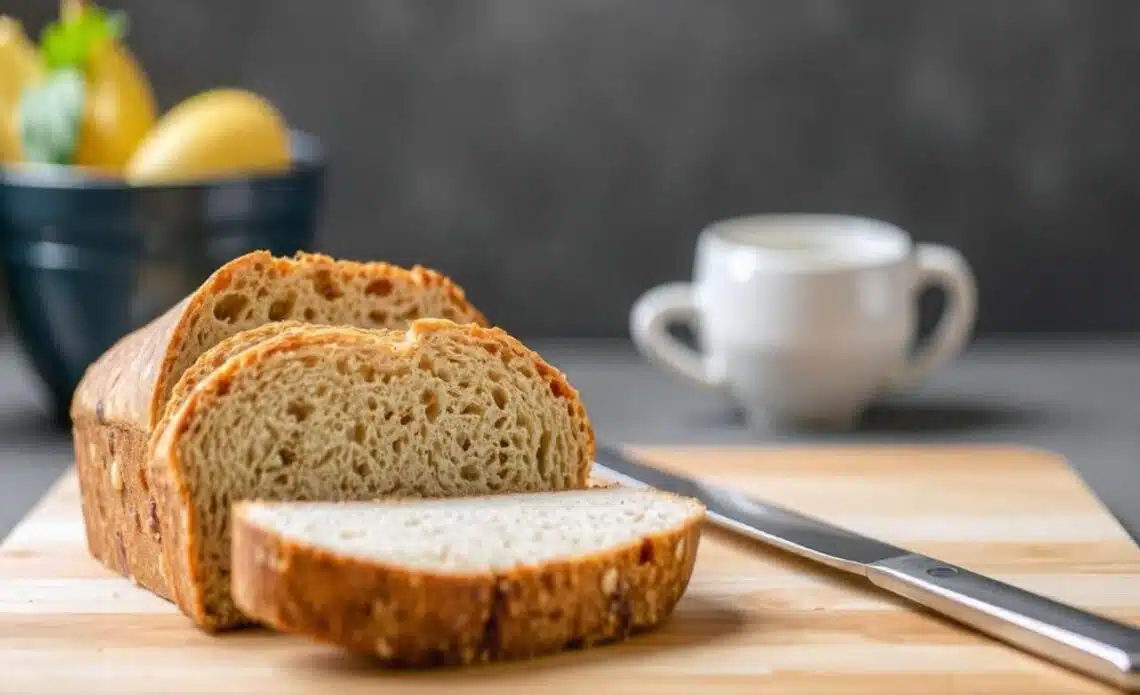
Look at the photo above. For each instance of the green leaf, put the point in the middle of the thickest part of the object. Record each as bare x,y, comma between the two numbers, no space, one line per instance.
49,117
69,41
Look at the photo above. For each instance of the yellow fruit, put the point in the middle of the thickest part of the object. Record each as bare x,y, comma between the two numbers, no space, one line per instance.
19,66
118,109
218,133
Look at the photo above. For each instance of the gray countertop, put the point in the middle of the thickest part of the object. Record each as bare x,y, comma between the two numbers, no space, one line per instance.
1080,399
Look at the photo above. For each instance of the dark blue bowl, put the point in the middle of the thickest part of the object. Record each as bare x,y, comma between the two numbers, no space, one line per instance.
87,260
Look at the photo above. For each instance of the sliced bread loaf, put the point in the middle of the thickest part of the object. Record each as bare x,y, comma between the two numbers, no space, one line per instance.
337,413
123,394
465,580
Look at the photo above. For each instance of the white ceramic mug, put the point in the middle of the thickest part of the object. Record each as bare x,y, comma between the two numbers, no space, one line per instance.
804,320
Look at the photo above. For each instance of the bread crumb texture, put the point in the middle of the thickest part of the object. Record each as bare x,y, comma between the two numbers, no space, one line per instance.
337,413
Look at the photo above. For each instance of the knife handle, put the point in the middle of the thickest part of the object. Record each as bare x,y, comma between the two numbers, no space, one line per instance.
1097,646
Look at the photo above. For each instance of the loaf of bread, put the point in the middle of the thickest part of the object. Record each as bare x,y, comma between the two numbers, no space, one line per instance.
338,413
121,397
464,580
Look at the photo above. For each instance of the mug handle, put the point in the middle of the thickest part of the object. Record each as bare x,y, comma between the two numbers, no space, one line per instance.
943,267
650,319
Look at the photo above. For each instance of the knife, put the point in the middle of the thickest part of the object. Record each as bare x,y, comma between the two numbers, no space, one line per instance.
1092,644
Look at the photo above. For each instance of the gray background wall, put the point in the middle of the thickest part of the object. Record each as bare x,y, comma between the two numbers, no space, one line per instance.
558,157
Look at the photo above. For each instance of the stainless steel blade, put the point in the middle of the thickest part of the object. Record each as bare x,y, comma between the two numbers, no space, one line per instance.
812,538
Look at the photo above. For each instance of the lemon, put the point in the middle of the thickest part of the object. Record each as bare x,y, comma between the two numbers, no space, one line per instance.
218,133
19,66
118,108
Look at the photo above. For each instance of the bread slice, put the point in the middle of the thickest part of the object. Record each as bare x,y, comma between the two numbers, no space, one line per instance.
337,413
464,580
122,396
217,355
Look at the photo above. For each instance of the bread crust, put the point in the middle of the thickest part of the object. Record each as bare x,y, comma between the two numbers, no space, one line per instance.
180,524
416,618
118,403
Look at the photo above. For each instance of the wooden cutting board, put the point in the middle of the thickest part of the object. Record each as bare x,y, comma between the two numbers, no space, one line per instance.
753,620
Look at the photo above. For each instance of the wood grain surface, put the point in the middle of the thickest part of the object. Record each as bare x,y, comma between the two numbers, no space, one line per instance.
754,620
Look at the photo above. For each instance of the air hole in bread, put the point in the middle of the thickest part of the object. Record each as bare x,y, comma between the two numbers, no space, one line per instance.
358,433
230,306
543,455
286,457
378,317
310,314
282,308
469,472
368,373
431,405
299,410
372,404
405,418
380,287
473,409
465,443
322,390
500,395
326,286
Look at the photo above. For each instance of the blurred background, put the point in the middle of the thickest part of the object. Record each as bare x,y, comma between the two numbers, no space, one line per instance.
559,158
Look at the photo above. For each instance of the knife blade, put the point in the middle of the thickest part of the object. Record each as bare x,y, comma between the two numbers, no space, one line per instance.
1068,636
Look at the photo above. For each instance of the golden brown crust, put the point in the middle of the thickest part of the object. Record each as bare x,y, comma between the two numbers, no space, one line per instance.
119,401
417,618
180,524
